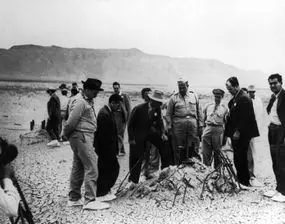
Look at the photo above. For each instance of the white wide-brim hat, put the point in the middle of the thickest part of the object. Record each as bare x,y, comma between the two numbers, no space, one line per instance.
157,95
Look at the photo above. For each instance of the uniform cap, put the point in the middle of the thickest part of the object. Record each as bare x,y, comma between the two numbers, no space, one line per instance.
218,92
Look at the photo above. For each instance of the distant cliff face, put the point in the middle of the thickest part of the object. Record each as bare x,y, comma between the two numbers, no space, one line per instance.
126,66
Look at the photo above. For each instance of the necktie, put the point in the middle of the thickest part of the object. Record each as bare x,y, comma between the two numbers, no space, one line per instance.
272,100
215,108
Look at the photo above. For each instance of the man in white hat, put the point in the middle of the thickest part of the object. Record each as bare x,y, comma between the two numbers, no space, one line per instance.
146,125
184,121
151,159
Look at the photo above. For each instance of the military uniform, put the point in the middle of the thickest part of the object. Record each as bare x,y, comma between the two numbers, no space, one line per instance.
214,116
184,118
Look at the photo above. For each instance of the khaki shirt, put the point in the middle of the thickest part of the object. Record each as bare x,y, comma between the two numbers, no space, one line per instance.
82,116
183,107
215,116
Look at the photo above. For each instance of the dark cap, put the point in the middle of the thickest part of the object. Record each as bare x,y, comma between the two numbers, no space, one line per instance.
51,89
218,92
92,84
115,98
62,86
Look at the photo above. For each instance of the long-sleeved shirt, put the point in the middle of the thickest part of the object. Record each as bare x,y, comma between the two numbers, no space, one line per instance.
9,198
63,104
82,116
215,114
181,107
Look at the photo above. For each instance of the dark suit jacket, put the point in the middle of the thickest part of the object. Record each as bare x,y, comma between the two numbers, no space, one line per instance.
142,123
280,106
53,107
126,106
105,140
106,147
241,116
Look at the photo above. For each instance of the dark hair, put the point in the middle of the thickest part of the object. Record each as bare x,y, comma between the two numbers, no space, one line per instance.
116,84
115,98
51,91
276,76
74,91
244,89
145,90
233,81
74,84
64,92
9,152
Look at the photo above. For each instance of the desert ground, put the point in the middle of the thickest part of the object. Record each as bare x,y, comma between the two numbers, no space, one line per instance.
43,173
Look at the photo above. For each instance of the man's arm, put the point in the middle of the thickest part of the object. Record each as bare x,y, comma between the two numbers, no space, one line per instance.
199,112
49,108
9,198
103,126
74,118
131,124
226,114
169,113
204,112
127,105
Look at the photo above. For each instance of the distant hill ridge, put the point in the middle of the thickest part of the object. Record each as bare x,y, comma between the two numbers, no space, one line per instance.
34,62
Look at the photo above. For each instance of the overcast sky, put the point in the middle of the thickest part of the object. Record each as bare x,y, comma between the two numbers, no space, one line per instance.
249,34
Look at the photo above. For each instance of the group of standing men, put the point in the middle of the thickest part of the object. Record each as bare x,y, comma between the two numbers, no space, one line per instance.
174,130
239,121
99,168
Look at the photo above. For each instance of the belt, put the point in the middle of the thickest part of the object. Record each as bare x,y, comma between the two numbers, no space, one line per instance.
188,116
275,125
215,125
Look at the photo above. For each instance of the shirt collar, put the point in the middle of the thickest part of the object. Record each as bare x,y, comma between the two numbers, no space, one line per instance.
109,108
187,94
91,101
278,94
237,93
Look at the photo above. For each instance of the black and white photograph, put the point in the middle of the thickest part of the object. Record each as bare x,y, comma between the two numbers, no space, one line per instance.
142,111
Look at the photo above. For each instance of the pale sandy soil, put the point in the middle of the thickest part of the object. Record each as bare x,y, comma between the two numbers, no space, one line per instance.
44,174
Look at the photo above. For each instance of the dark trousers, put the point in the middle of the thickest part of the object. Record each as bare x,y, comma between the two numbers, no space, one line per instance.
137,154
108,169
53,128
276,135
240,148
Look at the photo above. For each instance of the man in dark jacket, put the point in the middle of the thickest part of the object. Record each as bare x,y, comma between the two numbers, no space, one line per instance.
54,118
146,125
276,135
106,145
151,158
241,126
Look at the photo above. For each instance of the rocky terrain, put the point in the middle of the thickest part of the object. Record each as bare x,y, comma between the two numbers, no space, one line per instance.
43,174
